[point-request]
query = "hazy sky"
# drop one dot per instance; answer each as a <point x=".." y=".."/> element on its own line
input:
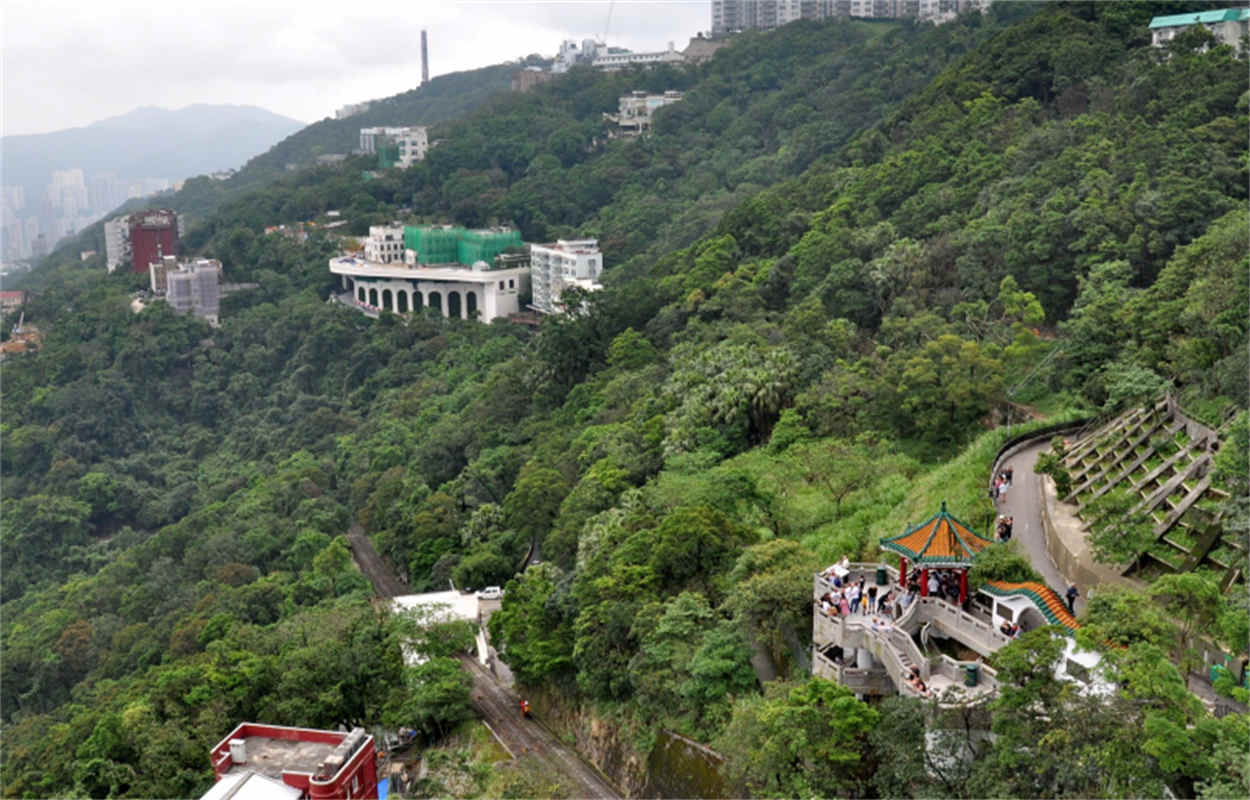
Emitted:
<point x="68" y="63"/>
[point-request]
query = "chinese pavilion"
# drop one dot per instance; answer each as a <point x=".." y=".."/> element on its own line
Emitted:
<point x="940" y="542"/>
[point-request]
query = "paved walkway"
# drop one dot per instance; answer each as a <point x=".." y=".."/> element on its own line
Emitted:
<point x="1024" y="502"/>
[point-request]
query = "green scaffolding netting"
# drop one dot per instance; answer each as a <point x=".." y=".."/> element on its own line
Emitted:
<point x="475" y="246"/>
<point x="433" y="245"/>
<point x="446" y="245"/>
<point x="388" y="154"/>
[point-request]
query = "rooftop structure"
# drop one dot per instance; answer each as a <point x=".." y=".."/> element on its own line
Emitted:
<point x="318" y="764"/>
<point x="452" y="244"/>
<point x="1229" y="25"/>
<point x="560" y="265"/>
<point x="395" y="146"/>
<point x="385" y="244"/>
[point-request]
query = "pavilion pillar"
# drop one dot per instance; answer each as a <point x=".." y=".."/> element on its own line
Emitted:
<point x="924" y="581"/>
<point x="963" y="586"/>
<point x="902" y="570"/>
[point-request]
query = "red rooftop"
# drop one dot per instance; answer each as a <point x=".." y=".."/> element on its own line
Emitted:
<point x="321" y="765"/>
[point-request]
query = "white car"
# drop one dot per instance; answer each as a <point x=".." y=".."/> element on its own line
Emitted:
<point x="490" y="593"/>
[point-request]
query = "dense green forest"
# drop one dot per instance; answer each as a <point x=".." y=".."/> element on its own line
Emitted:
<point x="834" y="267"/>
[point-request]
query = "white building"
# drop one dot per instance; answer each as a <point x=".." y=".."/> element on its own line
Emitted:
<point x="613" y="61"/>
<point x="385" y="244"/>
<point x="195" y="288"/>
<point x="555" y="267"/>
<point x="461" y="292"/>
<point x="1229" y="25"/>
<point x="411" y="143"/>
<point x="466" y="291"/>
<point x="635" y="110"/>
<point x="570" y="55"/>
<point x="117" y="242"/>
<point x="593" y="53"/>
<point x="159" y="271"/>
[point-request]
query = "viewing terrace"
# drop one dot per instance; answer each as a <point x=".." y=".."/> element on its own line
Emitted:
<point x="873" y="654"/>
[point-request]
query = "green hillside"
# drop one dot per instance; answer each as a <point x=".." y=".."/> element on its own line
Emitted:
<point x="827" y="268"/>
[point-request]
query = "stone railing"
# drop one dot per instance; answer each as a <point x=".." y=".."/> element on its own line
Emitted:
<point x="860" y="681"/>
<point x="959" y="624"/>
<point x="889" y="656"/>
<point x="902" y="642"/>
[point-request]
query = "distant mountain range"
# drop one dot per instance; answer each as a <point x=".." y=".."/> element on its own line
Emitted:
<point x="146" y="143"/>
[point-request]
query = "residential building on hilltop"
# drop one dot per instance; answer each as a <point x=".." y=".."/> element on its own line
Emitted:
<point x="634" y="114"/>
<point x="194" y="287"/>
<point x="284" y="763"/>
<point x="619" y="60"/>
<point x="153" y="235"/>
<point x="469" y="274"/>
<point x="117" y="242"/>
<point x="1231" y="26"/>
<point x="597" y="54"/>
<point x="738" y="15"/>
<point x="560" y="265"/>
<point x="395" y="147"/>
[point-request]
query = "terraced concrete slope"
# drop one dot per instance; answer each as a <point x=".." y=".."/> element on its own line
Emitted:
<point x="1164" y="456"/>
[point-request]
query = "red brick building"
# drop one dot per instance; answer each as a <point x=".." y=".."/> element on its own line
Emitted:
<point x="153" y="234"/>
<point x="321" y="765"/>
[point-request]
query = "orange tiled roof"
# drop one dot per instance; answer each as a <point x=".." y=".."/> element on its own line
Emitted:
<point x="943" y="540"/>
<point x="1046" y="599"/>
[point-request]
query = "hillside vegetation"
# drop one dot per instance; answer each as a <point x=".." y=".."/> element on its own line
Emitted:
<point x="833" y="266"/>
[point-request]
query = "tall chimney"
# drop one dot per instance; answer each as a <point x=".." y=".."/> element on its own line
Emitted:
<point x="425" y="60"/>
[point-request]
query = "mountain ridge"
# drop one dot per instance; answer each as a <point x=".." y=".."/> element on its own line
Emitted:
<point x="160" y="142"/>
